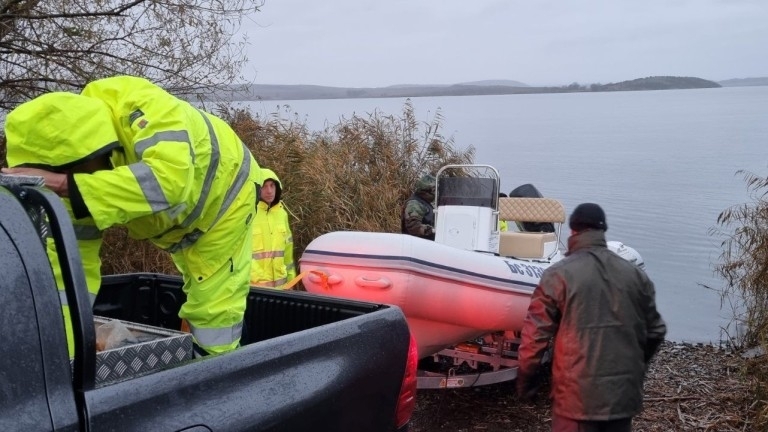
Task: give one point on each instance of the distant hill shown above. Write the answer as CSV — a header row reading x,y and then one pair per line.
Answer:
x,y
657,83
293,92
509,83
416,85
488,87
742,82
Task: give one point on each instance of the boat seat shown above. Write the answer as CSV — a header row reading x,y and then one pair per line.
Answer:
x,y
530,244
531,210
526,244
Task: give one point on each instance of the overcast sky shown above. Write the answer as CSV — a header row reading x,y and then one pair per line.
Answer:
x,y
369,43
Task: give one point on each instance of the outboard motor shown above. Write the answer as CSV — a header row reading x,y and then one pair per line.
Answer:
x,y
626,252
529,191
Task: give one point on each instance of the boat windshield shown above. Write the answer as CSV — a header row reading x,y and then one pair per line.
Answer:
x,y
467,191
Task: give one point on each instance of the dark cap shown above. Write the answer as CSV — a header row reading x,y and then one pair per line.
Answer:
x,y
587,216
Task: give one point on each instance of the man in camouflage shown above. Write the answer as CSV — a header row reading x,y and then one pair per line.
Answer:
x,y
417,216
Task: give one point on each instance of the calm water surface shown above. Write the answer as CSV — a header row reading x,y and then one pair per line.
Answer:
x,y
661,163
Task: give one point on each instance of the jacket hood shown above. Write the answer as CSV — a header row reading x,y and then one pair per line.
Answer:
x,y
268,174
59,130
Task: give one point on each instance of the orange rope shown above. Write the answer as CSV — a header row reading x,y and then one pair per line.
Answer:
x,y
323,279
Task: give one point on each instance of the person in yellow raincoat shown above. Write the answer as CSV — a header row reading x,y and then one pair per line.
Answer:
x,y
272,254
503,225
126,152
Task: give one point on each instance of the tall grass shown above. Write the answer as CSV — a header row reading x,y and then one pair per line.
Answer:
x,y
355,174
743,265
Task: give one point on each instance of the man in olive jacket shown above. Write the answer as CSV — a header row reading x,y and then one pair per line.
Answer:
x,y
599,312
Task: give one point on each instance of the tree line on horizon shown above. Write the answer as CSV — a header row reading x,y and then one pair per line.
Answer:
x,y
252,92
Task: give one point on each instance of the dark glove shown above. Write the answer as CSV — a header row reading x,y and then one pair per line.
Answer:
x,y
651,346
528,386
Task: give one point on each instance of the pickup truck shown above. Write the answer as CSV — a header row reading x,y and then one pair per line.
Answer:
x,y
307,362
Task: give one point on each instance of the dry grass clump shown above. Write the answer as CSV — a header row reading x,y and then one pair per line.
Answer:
x,y
122,254
354,175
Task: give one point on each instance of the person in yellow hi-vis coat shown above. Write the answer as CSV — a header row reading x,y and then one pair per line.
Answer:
x,y
272,253
503,225
126,152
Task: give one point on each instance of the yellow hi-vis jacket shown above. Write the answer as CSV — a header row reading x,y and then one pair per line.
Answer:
x,y
272,265
177,170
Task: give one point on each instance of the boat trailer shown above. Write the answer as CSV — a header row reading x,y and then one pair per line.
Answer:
x,y
489,359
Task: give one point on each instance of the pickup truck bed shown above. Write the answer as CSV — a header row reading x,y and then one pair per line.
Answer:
x,y
309,363
308,360
155,299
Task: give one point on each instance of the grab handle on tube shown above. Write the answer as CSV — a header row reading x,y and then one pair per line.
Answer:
x,y
373,282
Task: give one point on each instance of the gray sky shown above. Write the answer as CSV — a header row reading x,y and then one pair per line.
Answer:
x,y
369,43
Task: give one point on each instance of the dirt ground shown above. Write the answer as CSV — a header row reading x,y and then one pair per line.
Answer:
x,y
688,388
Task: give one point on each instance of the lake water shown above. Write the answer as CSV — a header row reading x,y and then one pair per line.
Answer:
x,y
661,163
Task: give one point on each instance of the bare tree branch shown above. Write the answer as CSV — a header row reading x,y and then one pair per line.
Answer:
x,y
186,46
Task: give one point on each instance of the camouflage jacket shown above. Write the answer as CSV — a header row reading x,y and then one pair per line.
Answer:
x,y
418,217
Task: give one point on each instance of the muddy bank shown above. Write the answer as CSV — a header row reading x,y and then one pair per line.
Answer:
x,y
688,388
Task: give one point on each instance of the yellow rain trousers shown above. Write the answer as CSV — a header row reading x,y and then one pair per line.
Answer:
x,y
216,302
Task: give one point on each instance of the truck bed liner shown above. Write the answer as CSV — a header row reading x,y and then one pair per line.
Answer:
x,y
155,299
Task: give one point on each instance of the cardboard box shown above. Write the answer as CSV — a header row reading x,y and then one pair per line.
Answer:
x,y
157,349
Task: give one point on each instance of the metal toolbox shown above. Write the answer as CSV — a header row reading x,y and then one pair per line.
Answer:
x,y
157,348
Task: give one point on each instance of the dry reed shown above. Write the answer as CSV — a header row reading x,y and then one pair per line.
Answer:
x,y
743,266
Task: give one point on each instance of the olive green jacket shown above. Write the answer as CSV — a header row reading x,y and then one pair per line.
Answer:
x,y
600,312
